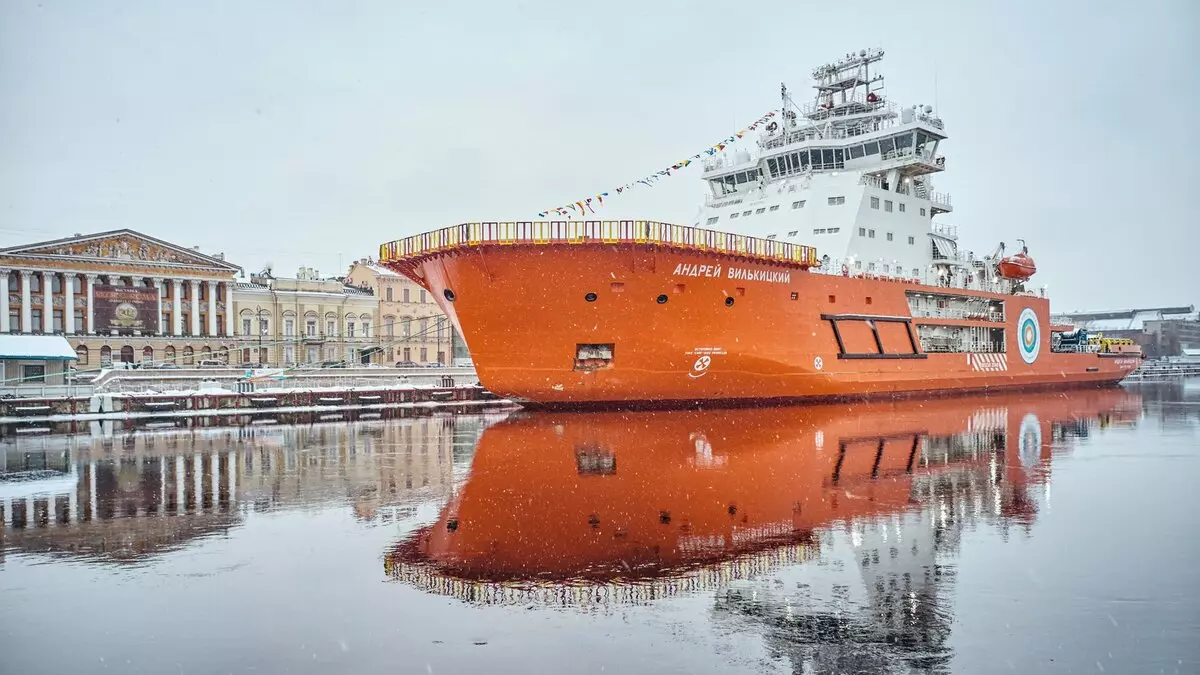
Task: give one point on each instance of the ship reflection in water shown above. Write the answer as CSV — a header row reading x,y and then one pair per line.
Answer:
x,y
602,509
864,537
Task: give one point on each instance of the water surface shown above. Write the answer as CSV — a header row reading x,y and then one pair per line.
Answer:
x,y
1020,533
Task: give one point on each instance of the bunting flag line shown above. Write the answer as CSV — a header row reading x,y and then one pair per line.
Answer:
x,y
581,207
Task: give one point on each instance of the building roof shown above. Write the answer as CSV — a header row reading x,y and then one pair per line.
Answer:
x,y
61,247
1126,319
375,268
36,347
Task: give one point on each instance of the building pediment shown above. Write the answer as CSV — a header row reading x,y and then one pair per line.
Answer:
x,y
120,246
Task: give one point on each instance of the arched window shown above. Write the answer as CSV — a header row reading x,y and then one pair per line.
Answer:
x,y
350,325
127,354
310,323
169,354
105,355
147,354
223,354
289,324
187,356
81,352
331,323
365,321
205,352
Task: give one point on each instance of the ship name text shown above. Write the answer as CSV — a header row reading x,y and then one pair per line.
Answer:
x,y
734,273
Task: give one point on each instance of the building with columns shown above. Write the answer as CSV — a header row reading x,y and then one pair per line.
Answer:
x,y
120,296
412,326
305,320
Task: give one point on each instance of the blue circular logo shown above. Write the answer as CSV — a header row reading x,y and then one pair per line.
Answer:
x,y
1029,335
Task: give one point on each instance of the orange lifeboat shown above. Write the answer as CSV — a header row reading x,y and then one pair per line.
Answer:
x,y
1019,266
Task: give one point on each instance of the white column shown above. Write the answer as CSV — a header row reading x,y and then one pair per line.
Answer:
x,y
90,280
47,303
26,302
4,327
69,304
158,286
212,308
176,307
195,327
229,316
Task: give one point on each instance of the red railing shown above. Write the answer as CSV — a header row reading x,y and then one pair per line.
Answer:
x,y
595,231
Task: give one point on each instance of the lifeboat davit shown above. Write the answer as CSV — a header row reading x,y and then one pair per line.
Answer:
x,y
1019,266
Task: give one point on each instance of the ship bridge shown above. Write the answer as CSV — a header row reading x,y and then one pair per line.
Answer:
x,y
850,171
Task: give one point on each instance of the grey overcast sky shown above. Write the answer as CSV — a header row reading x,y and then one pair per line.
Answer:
x,y
306,133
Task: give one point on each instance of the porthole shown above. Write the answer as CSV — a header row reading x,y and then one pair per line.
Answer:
x,y
448,294
729,302
590,297
662,299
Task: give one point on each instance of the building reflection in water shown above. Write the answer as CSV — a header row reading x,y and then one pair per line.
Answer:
x,y
828,529
124,492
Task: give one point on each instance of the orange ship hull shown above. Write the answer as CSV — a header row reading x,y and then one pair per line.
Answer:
x,y
688,326
592,496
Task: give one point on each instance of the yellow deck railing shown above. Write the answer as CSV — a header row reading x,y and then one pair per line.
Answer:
x,y
595,231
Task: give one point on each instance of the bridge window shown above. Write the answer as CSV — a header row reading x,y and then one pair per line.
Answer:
x,y
799,204
746,213
793,233
835,201
887,205
872,148
875,203
901,207
856,152
712,221
887,145
734,215
775,207
762,210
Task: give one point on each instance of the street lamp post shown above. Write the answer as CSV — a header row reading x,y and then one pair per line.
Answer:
x,y
258,317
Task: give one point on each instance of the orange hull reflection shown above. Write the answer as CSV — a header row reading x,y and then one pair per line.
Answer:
x,y
671,330
593,497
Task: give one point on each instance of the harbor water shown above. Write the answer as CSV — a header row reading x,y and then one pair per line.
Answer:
x,y
1020,533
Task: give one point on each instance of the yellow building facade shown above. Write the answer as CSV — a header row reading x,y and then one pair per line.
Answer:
x,y
413,328
305,320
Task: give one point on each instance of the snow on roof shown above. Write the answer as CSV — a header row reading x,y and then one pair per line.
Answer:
x,y
382,271
40,347
1129,319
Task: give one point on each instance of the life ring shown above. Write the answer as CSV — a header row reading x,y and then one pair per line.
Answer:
x,y
772,126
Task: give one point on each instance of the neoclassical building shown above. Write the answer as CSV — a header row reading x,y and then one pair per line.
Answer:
x,y
412,328
305,320
120,296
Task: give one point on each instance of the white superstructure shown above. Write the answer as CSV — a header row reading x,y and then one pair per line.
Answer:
x,y
850,173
